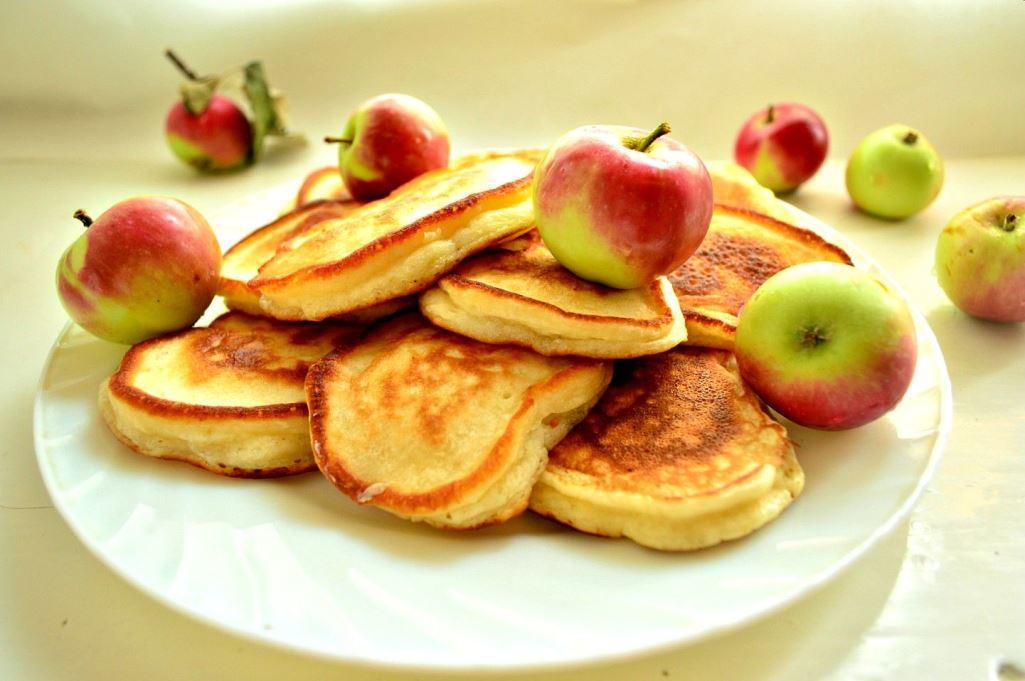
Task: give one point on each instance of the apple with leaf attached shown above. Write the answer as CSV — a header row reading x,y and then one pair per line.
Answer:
x,y
209,131
621,206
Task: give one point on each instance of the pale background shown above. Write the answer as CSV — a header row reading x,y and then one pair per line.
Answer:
x,y
83,92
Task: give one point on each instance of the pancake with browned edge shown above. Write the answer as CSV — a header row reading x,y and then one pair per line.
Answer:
x,y
733,186
439,428
678,454
520,294
741,250
402,244
243,260
228,398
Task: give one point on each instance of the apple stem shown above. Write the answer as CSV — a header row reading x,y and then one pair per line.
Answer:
x,y
770,114
81,216
645,142
1010,222
911,137
176,60
337,140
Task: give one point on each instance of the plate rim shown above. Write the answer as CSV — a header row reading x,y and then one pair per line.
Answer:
x,y
778,603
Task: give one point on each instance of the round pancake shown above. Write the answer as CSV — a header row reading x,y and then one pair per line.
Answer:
x,y
678,454
439,428
227,398
520,294
741,250
399,245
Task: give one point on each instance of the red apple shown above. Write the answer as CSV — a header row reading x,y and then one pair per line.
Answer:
x,y
217,138
827,345
620,206
782,145
146,266
387,141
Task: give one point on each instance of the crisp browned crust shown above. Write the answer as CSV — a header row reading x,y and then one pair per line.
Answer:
x,y
121,387
800,234
391,239
322,374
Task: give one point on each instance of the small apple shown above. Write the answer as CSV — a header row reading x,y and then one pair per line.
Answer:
x,y
980,259
147,266
894,172
387,141
217,137
827,345
782,145
619,206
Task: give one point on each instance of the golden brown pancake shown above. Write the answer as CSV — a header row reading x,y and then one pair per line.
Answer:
x,y
741,250
227,398
402,244
733,186
520,294
436,427
678,454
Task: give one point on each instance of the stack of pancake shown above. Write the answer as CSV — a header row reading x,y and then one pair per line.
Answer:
x,y
431,358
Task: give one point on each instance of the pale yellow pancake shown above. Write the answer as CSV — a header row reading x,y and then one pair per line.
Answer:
x,y
439,428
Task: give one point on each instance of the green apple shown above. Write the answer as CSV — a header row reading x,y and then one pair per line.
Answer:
x,y
827,345
980,259
894,173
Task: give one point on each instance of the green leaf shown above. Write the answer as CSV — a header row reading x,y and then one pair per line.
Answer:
x,y
266,106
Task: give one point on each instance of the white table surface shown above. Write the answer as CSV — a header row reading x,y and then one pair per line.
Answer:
x,y
942,598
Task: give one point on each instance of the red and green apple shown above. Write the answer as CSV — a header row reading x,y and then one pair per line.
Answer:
x,y
217,137
387,141
980,259
146,266
894,173
782,145
826,345
620,206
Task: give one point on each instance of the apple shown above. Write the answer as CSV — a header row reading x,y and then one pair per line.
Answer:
x,y
980,259
782,145
827,345
619,206
146,266
216,138
387,141
894,173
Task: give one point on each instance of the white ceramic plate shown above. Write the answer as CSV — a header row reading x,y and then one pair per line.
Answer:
x,y
294,563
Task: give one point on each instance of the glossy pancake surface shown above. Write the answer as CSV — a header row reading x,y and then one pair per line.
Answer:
x,y
401,244
741,250
228,398
520,294
678,454
435,427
